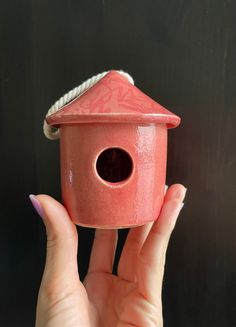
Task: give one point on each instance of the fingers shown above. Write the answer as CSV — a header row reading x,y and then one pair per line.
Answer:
x,y
133,244
151,260
103,251
128,259
62,238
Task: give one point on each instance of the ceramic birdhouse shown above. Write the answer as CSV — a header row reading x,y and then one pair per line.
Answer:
x,y
113,151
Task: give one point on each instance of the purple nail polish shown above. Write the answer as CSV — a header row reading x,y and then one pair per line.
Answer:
x,y
37,206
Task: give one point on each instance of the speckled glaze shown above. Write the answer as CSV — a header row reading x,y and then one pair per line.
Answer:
x,y
113,114
92,201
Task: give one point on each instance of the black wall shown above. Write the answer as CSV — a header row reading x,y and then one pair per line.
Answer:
x,y
182,53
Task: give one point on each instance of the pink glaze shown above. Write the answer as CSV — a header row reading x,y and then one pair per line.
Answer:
x,y
113,114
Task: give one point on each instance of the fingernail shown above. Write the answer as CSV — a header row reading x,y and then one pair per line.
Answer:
x,y
37,206
166,188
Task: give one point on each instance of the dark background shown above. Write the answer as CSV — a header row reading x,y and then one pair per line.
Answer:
x,y
182,53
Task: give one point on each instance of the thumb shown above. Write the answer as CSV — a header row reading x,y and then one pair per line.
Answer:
x,y
62,237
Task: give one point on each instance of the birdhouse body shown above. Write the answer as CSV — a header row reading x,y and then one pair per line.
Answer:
x,y
113,146
99,201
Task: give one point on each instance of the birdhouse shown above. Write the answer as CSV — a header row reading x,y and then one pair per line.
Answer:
x,y
113,151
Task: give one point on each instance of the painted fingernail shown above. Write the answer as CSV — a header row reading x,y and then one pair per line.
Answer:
x,y
37,206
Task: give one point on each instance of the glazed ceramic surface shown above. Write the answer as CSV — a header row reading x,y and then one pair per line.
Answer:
x,y
113,99
113,144
96,202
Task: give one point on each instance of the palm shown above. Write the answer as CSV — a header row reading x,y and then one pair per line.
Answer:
x,y
110,297
130,298
118,300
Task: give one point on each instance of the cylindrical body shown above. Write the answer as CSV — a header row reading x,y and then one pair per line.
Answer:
x,y
96,202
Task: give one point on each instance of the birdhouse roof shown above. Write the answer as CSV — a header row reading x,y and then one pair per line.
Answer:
x,y
113,99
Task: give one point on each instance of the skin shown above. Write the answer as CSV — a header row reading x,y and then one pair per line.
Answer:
x,y
133,298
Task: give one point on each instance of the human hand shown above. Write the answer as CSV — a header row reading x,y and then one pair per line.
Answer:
x,y
132,298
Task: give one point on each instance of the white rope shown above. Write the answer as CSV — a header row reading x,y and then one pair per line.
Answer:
x,y
53,133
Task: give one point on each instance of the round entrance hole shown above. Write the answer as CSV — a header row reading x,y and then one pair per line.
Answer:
x,y
114,165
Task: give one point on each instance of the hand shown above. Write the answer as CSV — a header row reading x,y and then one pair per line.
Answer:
x,y
132,298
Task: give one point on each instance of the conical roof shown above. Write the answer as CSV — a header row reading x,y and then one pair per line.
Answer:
x,y
113,99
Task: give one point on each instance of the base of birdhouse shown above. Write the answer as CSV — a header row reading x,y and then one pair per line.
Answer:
x,y
112,227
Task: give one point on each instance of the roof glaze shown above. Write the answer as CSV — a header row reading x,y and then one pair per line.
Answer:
x,y
113,99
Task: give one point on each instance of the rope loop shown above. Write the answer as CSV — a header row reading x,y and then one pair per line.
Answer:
x,y
53,133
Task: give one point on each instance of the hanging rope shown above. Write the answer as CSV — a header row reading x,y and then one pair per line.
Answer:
x,y
53,133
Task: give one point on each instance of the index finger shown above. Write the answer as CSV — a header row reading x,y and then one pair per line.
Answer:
x,y
151,260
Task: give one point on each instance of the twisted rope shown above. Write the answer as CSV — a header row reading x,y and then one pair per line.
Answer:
x,y
53,133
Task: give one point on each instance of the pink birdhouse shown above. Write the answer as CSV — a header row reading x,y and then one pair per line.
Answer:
x,y
113,149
